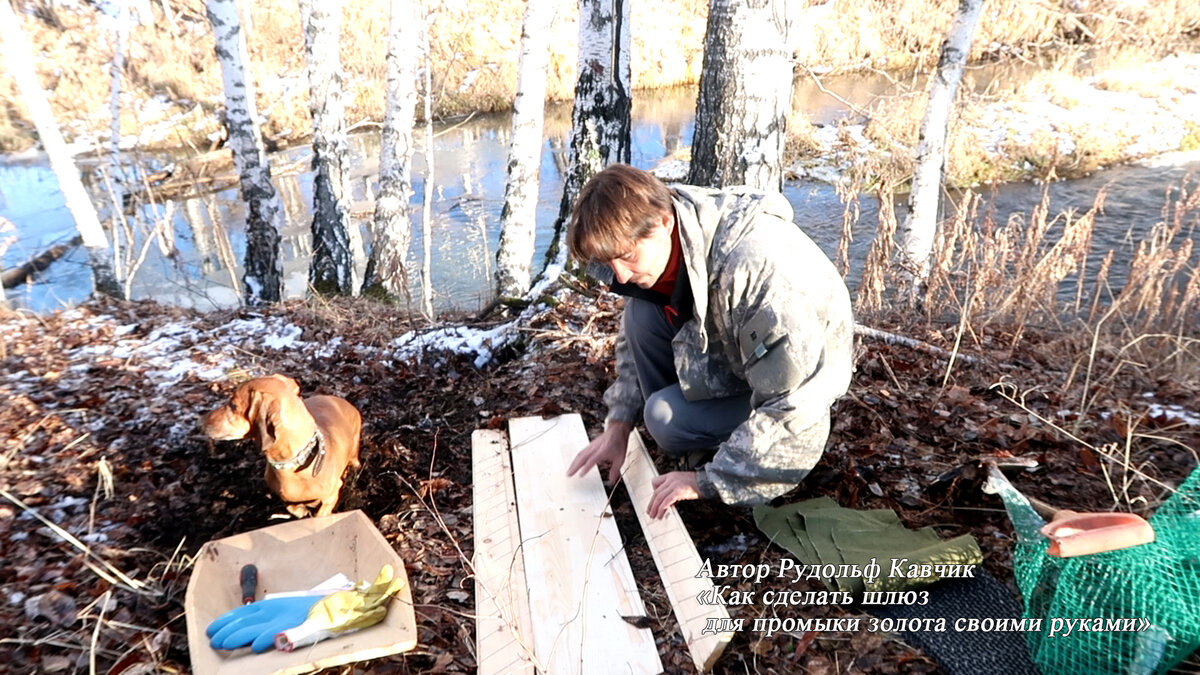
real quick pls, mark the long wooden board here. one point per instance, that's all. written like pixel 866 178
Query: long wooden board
pixel 503 631
pixel 580 582
pixel 677 560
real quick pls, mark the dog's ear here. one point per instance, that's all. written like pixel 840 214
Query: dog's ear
pixel 291 384
pixel 272 416
pixel 241 401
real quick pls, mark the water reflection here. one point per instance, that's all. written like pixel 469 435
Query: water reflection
pixel 470 156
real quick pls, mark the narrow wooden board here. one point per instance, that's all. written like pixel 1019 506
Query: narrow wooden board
pixel 580 582
pixel 503 632
pixel 677 560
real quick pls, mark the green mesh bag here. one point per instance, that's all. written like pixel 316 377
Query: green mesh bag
pixel 1158 582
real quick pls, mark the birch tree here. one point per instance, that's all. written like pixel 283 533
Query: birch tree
pixel 427 201
pixel 600 124
pixel 745 96
pixel 332 267
pixel 263 274
pixel 18 59
pixel 920 224
pixel 518 216
pixel 116 71
pixel 386 274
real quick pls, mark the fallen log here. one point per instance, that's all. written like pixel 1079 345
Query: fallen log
pixel 11 278
pixel 904 341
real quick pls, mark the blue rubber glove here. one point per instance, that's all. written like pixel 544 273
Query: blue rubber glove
pixel 257 623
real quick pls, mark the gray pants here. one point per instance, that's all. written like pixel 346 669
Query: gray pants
pixel 679 427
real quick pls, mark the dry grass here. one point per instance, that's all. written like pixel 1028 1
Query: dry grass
pixel 1088 347
pixel 475 53
pixel 850 34
pixel 1033 270
pixel 1077 114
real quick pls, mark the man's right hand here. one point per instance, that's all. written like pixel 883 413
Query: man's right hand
pixel 608 448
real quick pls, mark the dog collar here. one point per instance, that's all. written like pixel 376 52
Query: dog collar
pixel 312 452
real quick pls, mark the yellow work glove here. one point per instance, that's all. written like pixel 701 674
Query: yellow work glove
pixel 343 612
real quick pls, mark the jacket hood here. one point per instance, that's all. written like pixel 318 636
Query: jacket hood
pixel 711 223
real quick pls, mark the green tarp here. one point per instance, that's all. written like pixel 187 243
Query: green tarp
pixel 819 532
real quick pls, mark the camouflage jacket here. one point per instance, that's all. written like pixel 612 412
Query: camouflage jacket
pixel 772 317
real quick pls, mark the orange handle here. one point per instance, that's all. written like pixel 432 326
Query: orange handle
pixel 1073 534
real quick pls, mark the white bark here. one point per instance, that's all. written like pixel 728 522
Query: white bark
pixel 332 267
pixel 201 239
pixel 116 69
pixel 18 59
pixel 920 225
pixel 170 16
pixel 7 238
pixel 263 275
pixel 518 216
pixel 220 235
pixel 745 96
pixel 600 123
pixel 427 202
pixel 392 229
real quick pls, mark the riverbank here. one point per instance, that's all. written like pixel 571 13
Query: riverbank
pixel 100 439
pixel 1055 125
pixel 1062 123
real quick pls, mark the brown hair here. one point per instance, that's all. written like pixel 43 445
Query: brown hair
pixel 615 208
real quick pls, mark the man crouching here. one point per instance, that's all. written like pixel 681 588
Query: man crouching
pixel 736 337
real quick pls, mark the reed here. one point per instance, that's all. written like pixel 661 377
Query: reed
pixel 1018 292
pixel 998 281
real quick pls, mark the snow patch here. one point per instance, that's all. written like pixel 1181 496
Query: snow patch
pixel 1174 414
pixel 482 343
pixel 288 337
pixel 184 348
pixel 68 503
pixel 457 339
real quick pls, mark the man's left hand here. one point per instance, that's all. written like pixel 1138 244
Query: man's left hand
pixel 669 488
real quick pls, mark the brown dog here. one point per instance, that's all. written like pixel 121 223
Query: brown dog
pixel 308 443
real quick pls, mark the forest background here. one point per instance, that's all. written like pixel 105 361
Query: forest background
pixel 173 89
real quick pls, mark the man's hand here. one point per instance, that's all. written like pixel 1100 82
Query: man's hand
pixel 608 448
pixel 669 488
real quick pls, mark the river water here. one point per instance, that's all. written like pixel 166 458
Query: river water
pixel 189 265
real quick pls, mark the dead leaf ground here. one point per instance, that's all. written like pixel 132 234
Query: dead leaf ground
pixel 94 442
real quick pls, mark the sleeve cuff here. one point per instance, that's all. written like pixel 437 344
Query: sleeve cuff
pixel 625 414
pixel 707 489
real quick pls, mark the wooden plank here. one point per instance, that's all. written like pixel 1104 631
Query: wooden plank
pixel 580 582
pixel 503 631
pixel 677 560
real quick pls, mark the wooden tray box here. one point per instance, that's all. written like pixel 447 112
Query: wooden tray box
pixel 294 556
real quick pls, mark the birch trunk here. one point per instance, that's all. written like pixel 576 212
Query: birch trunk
pixel 518 216
pixel 194 217
pixel 745 96
pixel 18 59
pixel 263 274
pixel 331 269
pixel 427 201
pixel 387 275
pixel 116 70
pixel 920 225
pixel 600 122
